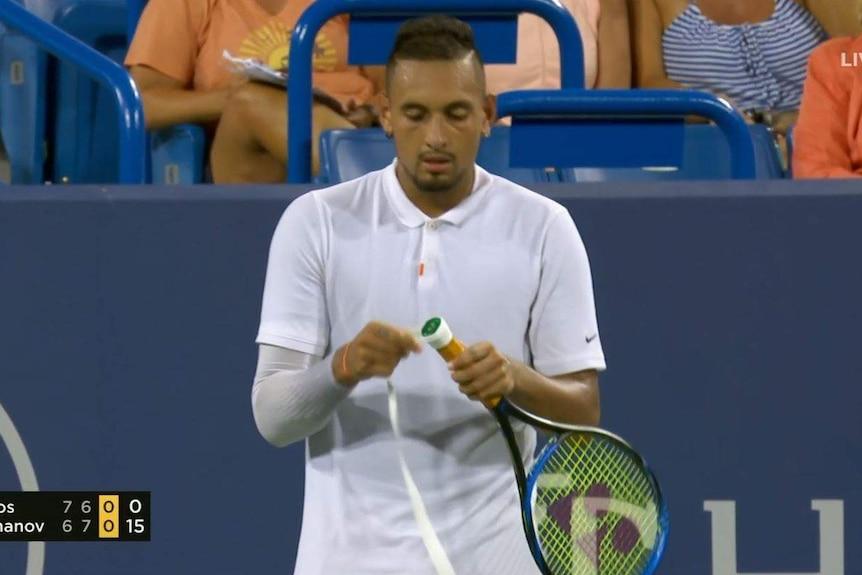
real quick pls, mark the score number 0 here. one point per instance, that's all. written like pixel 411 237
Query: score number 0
pixel 108 516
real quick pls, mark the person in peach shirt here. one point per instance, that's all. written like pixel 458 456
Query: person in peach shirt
pixel 604 28
pixel 828 136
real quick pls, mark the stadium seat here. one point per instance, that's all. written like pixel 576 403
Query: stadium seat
pixel 177 155
pixel 703 153
pixel 592 136
pixel 348 154
pixel 84 128
pixel 706 156
pixel 76 125
pixel 597 135
pixel 22 110
pixel 790 143
pixel 22 92
pixel 767 153
pixel 83 108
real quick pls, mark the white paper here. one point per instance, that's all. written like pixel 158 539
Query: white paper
pixel 255 70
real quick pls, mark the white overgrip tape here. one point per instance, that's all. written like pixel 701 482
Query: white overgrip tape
pixel 441 562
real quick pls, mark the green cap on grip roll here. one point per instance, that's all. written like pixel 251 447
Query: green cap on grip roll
pixel 431 326
pixel 436 332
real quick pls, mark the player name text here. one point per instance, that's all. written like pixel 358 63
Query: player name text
pixel 22 526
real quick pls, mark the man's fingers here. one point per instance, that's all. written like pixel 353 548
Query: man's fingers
pixel 485 388
pixel 476 385
pixel 488 364
pixel 492 385
pixel 384 347
pixel 370 355
pixel 473 354
pixel 400 338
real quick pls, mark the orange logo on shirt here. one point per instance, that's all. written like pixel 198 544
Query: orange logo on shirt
pixel 270 44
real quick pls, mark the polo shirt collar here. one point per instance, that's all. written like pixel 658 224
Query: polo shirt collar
pixel 413 217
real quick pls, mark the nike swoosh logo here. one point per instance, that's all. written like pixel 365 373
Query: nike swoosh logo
pixel 591 338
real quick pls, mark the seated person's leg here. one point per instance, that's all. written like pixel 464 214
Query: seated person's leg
pixel 250 144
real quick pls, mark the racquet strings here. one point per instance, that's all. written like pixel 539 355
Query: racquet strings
pixel 595 509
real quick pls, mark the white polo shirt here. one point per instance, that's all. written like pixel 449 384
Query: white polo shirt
pixel 507 266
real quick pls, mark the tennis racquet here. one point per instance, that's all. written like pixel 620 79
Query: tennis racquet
pixel 590 505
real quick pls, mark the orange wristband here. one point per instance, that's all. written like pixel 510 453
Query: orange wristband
pixel 344 361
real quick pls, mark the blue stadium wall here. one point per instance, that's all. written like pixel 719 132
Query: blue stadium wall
pixel 730 316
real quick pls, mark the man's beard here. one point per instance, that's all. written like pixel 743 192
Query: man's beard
pixel 435 185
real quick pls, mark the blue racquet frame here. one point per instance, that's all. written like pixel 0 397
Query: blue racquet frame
pixel 527 481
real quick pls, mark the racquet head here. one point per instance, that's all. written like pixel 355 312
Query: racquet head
pixel 595 507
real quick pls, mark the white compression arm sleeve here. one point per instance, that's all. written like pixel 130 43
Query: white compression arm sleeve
pixel 294 394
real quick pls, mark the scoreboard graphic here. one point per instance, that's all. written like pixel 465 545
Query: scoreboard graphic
pixel 74 516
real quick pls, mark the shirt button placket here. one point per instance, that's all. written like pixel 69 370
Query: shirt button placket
pixel 428 258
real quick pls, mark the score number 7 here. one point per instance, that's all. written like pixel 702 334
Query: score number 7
pixel 86 507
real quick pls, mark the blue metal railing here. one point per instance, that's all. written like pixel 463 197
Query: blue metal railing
pixel 132 136
pixel 622 104
pixel 316 15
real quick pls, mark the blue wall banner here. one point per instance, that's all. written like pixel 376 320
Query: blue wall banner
pixel 729 312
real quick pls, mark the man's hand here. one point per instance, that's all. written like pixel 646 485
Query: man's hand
pixel 483 373
pixel 375 352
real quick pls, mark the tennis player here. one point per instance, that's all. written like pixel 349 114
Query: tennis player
pixel 354 268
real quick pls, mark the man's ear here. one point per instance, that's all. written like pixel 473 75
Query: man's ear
pixel 490 109
pixel 386 114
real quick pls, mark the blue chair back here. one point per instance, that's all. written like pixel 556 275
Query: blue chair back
pixel 83 130
pixel 22 109
pixel 77 123
pixel 708 153
pixel 790 147
pixel 495 36
pixel 177 155
pixel 618 129
pixel 128 113
pixel 44 9
pixel 349 154
pixel 705 156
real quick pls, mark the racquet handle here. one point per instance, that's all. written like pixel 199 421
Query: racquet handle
pixel 438 335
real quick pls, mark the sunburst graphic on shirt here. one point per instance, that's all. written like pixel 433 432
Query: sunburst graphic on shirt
pixel 270 44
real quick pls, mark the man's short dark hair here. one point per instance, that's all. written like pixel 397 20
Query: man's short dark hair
pixel 431 38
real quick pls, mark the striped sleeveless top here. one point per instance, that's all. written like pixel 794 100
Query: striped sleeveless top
pixel 760 66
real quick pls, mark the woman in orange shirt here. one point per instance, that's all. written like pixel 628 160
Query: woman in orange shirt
pixel 828 136
pixel 176 59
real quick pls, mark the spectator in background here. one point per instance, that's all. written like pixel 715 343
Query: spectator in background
pixel 176 61
pixel 828 137
pixel 752 52
pixel 251 143
pixel 607 56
